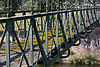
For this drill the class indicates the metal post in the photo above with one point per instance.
(57, 26)
(46, 34)
(79, 23)
(65, 16)
(24, 13)
(76, 21)
(31, 43)
(8, 37)
(57, 33)
(10, 8)
(8, 45)
(41, 23)
(85, 17)
(95, 14)
(31, 38)
(41, 17)
(70, 26)
(46, 27)
(83, 21)
(2, 39)
(89, 19)
(13, 27)
(53, 20)
(92, 17)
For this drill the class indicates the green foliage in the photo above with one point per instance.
(27, 5)
(83, 59)
(52, 4)
(3, 4)
(14, 4)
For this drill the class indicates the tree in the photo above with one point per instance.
(14, 4)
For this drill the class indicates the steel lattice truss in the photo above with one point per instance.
(44, 35)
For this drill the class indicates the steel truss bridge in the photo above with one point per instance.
(45, 37)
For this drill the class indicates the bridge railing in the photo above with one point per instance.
(47, 36)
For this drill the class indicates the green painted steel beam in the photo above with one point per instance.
(31, 42)
(46, 34)
(65, 16)
(8, 45)
(70, 26)
(44, 57)
(23, 52)
(25, 45)
(83, 22)
(2, 39)
(24, 13)
(95, 14)
(75, 24)
(79, 22)
(57, 33)
(92, 18)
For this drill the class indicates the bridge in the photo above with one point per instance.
(45, 37)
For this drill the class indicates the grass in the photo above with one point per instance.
(83, 59)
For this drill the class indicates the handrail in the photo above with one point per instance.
(40, 14)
